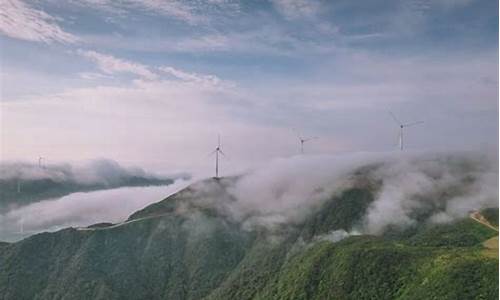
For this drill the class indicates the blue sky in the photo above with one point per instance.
(152, 82)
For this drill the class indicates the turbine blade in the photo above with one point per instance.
(220, 151)
(311, 138)
(211, 153)
(412, 124)
(395, 119)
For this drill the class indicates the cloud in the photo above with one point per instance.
(20, 21)
(265, 38)
(93, 76)
(190, 12)
(174, 121)
(192, 77)
(289, 189)
(335, 235)
(100, 171)
(81, 209)
(176, 9)
(444, 187)
(407, 189)
(337, 106)
(112, 65)
(297, 8)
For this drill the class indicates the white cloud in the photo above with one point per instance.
(296, 8)
(20, 21)
(175, 122)
(175, 9)
(195, 12)
(422, 183)
(81, 209)
(193, 77)
(407, 188)
(111, 65)
(92, 76)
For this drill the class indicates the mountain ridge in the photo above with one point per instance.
(193, 245)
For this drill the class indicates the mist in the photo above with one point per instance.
(99, 171)
(447, 187)
(81, 209)
(410, 188)
(407, 188)
(24, 183)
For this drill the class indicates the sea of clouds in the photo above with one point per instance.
(288, 190)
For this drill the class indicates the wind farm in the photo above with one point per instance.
(249, 150)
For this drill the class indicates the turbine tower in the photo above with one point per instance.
(40, 159)
(304, 140)
(401, 128)
(216, 152)
(22, 224)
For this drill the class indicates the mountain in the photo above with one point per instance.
(22, 183)
(200, 243)
(39, 189)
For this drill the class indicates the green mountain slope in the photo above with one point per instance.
(364, 268)
(186, 248)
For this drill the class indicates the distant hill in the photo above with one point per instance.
(192, 245)
(21, 184)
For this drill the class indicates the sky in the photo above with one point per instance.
(153, 82)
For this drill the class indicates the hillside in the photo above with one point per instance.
(192, 245)
(40, 189)
(21, 184)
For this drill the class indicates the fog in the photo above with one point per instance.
(287, 190)
(99, 171)
(449, 186)
(435, 187)
(81, 209)
(410, 187)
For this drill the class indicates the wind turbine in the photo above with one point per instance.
(401, 127)
(216, 152)
(304, 140)
(40, 159)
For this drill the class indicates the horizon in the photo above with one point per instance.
(262, 149)
(152, 83)
(98, 191)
